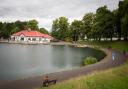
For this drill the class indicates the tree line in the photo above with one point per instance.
(8, 28)
(102, 24)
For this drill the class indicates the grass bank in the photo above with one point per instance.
(116, 78)
(120, 45)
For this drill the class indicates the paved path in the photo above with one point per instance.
(34, 82)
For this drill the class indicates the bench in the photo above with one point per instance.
(50, 82)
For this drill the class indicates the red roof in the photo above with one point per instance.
(31, 34)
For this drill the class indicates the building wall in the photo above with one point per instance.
(23, 38)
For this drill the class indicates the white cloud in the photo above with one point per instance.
(45, 11)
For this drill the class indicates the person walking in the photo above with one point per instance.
(113, 55)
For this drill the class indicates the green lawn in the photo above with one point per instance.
(120, 45)
(116, 78)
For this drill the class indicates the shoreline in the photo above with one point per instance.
(53, 44)
(32, 82)
(61, 43)
(7, 81)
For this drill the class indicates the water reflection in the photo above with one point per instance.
(21, 61)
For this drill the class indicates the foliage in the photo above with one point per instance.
(60, 28)
(89, 60)
(32, 24)
(6, 28)
(43, 30)
(104, 24)
(76, 27)
(124, 18)
(88, 21)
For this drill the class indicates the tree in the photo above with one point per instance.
(20, 25)
(117, 23)
(32, 24)
(123, 13)
(103, 26)
(77, 29)
(55, 27)
(60, 28)
(43, 30)
(63, 27)
(6, 30)
(87, 24)
(1, 26)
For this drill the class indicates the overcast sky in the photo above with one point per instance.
(45, 11)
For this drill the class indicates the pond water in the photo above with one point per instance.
(21, 61)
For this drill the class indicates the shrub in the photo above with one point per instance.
(68, 39)
(89, 60)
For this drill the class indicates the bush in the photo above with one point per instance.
(68, 39)
(89, 60)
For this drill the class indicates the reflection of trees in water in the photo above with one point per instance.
(27, 60)
(64, 56)
(58, 56)
(72, 56)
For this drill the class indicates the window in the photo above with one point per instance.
(29, 39)
(22, 39)
(40, 39)
(33, 39)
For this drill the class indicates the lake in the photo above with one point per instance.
(19, 61)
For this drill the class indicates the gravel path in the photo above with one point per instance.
(34, 82)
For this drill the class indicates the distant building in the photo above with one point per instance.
(31, 36)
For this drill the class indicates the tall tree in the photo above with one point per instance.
(118, 22)
(32, 24)
(103, 26)
(55, 27)
(60, 28)
(88, 21)
(43, 30)
(77, 30)
(21, 25)
(1, 26)
(123, 13)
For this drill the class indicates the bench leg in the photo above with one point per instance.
(45, 84)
